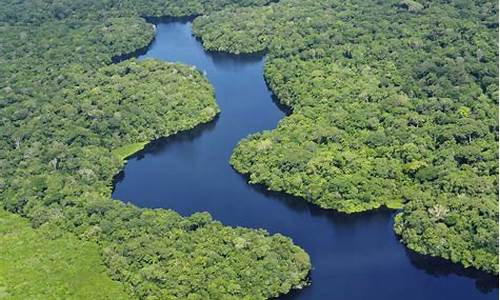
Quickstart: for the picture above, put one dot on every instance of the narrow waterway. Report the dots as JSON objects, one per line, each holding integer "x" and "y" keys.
{"x": 354, "y": 256}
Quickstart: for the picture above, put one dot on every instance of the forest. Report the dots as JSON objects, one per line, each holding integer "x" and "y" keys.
{"x": 395, "y": 103}
{"x": 69, "y": 117}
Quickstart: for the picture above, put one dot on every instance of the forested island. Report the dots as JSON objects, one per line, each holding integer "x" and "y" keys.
{"x": 394, "y": 103}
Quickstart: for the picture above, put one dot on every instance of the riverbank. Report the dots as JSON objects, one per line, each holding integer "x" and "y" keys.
{"x": 353, "y": 255}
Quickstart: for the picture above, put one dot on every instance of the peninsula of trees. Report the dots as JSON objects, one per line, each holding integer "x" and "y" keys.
{"x": 68, "y": 119}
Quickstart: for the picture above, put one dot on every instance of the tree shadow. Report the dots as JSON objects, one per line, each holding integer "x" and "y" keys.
{"x": 161, "y": 145}
{"x": 433, "y": 266}
{"x": 439, "y": 267}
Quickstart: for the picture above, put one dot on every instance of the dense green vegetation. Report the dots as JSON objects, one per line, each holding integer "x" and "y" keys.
{"x": 394, "y": 103}
{"x": 48, "y": 263}
{"x": 68, "y": 118}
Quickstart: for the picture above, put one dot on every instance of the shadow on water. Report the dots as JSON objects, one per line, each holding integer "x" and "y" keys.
{"x": 221, "y": 59}
{"x": 141, "y": 51}
{"x": 439, "y": 267}
{"x": 287, "y": 110}
{"x": 160, "y": 145}
{"x": 300, "y": 205}
{"x": 354, "y": 256}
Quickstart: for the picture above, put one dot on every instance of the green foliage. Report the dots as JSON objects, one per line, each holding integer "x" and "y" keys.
{"x": 196, "y": 258}
{"x": 68, "y": 117}
{"x": 126, "y": 150}
{"x": 394, "y": 103}
{"x": 49, "y": 263}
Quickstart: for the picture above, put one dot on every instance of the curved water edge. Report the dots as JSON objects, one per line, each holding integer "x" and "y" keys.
{"x": 354, "y": 256}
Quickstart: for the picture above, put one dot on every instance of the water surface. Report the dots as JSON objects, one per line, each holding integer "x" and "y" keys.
{"x": 354, "y": 256}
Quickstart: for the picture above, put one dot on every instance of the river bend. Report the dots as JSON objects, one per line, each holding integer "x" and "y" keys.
{"x": 354, "y": 256}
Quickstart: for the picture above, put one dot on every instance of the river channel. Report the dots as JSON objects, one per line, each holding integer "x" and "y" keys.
{"x": 354, "y": 256}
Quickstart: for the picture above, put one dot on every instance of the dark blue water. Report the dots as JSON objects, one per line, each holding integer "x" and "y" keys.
{"x": 354, "y": 256}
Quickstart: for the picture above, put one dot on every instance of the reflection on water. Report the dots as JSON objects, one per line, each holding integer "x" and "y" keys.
{"x": 439, "y": 267}
{"x": 354, "y": 256}
{"x": 161, "y": 145}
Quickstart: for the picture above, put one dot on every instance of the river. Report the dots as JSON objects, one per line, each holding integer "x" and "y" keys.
{"x": 354, "y": 256}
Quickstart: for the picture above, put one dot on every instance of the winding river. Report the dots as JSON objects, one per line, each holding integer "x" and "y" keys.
{"x": 354, "y": 256}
